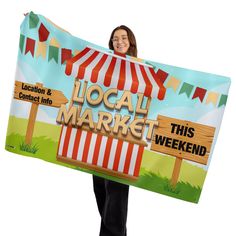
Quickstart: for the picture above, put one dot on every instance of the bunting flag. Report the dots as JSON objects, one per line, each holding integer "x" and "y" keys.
{"x": 41, "y": 50}
{"x": 199, "y": 93}
{"x": 53, "y": 50}
{"x": 54, "y": 42}
{"x": 30, "y": 45}
{"x": 212, "y": 98}
{"x": 173, "y": 83}
{"x": 76, "y": 52}
{"x": 43, "y": 33}
{"x": 22, "y": 42}
{"x": 65, "y": 55}
{"x": 223, "y": 100}
{"x": 33, "y": 20}
{"x": 53, "y": 53}
{"x": 186, "y": 88}
{"x": 162, "y": 75}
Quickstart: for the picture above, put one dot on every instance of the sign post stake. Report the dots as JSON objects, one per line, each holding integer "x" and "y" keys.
{"x": 31, "y": 122}
{"x": 176, "y": 171}
{"x": 32, "y": 119}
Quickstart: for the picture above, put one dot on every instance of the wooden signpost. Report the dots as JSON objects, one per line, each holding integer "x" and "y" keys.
{"x": 37, "y": 95}
{"x": 184, "y": 140}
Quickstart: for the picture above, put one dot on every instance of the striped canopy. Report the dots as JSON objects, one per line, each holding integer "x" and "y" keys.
{"x": 116, "y": 71}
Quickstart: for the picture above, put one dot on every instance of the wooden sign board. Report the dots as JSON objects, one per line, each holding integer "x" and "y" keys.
{"x": 38, "y": 94}
{"x": 183, "y": 139}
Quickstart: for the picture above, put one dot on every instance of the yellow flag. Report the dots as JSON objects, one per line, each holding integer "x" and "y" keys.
{"x": 212, "y": 98}
{"x": 41, "y": 50}
{"x": 137, "y": 59}
{"x": 54, "y": 42}
{"x": 173, "y": 83}
{"x": 76, "y": 52}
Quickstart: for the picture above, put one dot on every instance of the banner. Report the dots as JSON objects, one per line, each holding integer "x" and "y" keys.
{"x": 130, "y": 120}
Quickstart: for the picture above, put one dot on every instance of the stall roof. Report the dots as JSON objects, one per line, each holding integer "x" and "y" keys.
{"x": 116, "y": 71}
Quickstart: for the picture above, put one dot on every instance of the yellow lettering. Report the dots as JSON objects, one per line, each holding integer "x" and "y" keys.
{"x": 67, "y": 115}
{"x": 121, "y": 123}
{"x": 152, "y": 124}
{"x": 91, "y": 89}
{"x": 135, "y": 129}
{"x": 106, "y": 95}
{"x": 125, "y": 101}
{"x": 86, "y": 118}
{"x": 104, "y": 120}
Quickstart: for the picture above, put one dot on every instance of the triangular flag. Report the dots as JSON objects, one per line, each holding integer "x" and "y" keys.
{"x": 161, "y": 75}
{"x": 53, "y": 53}
{"x": 54, "y": 42}
{"x": 22, "y": 42}
{"x": 212, "y": 98}
{"x": 41, "y": 50}
{"x": 30, "y": 44}
{"x": 43, "y": 33}
{"x": 199, "y": 93}
{"x": 33, "y": 20}
{"x": 76, "y": 52}
{"x": 223, "y": 100}
{"x": 65, "y": 55}
{"x": 186, "y": 88}
{"x": 173, "y": 83}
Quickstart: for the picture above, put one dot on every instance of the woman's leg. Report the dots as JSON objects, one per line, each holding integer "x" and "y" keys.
{"x": 100, "y": 192}
{"x": 115, "y": 209}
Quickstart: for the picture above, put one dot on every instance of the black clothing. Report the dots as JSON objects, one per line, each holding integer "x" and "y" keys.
{"x": 112, "y": 201}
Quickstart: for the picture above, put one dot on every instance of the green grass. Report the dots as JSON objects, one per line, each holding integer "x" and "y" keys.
{"x": 33, "y": 148}
{"x": 163, "y": 165}
{"x": 19, "y": 126}
{"x": 155, "y": 173}
{"x": 47, "y": 148}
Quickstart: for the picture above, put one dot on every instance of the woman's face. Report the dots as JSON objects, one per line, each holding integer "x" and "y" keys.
{"x": 121, "y": 41}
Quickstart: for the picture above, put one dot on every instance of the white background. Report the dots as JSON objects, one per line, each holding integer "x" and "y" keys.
{"x": 39, "y": 198}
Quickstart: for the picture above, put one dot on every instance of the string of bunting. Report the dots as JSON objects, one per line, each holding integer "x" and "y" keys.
{"x": 194, "y": 92}
{"x": 41, "y": 47}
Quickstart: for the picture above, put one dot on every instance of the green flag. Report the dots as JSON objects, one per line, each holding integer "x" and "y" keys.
{"x": 223, "y": 100}
{"x": 186, "y": 88}
{"x": 33, "y": 20}
{"x": 22, "y": 42}
{"x": 53, "y": 53}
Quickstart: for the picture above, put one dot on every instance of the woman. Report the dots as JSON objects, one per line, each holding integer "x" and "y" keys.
{"x": 112, "y": 197}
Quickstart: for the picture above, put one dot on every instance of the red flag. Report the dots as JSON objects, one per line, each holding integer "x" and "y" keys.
{"x": 161, "y": 75}
{"x": 66, "y": 54}
{"x": 30, "y": 44}
{"x": 43, "y": 33}
{"x": 199, "y": 93}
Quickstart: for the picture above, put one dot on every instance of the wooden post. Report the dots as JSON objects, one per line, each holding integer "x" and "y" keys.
{"x": 31, "y": 122}
{"x": 176, "y": 171}
{"x": 32, "y": 119}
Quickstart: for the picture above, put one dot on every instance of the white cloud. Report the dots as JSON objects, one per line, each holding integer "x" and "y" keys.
{"x": 212, "y": 118}
{"x": 21, "y": 109}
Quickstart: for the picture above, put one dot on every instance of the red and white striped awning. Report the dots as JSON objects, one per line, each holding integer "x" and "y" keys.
{"x": 116, "y": 71}
{"x": 99, "y": 150}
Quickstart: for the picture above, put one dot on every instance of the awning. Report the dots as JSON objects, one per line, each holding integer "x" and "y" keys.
{"x": 115, "y": 71}
{"x": 77, "y": 145}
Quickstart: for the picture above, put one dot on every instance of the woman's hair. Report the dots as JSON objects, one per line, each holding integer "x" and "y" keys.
{"x": 132, "y": 51}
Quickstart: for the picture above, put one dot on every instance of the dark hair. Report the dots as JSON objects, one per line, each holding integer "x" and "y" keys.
{"x": 132, "y": 51}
